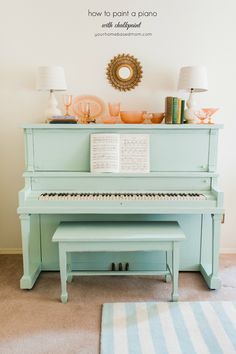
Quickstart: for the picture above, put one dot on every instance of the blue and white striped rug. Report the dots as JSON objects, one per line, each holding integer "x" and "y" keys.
{"x": 173, "y": 328}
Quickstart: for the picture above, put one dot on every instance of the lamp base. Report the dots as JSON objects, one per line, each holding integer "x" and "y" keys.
{"x": 190, "y": 116}
{"x": 52, "y": 109}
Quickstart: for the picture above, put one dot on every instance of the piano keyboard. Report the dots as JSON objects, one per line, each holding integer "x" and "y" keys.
{"x": 122, "y": 196}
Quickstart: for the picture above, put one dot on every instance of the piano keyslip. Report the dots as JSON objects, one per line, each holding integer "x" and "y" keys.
{"x": 121, "y": 196}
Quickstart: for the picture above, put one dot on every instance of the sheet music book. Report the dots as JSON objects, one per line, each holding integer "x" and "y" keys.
{"x": 128, "y": 153}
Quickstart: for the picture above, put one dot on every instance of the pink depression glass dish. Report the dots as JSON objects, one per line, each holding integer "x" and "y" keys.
{"x": 109, "y": 120}
{"x": 209, "y": 113}
{"x": 157, "y": 118}
{"x": 96, "y": 106}
{"x": 132, "y": 117}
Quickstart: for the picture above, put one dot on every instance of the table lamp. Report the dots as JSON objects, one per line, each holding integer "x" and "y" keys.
{"x": 51, "y": 78}
{"x": 192, "y": 79}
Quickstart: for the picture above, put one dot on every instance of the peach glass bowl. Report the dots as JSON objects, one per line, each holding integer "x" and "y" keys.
{"x": 132, "y": 117}
{"x": 109, "y": 120}
{"x": 157, "y": 118}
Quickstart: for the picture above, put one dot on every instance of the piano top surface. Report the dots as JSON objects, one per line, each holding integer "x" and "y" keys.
{"x": 124, "y": 126}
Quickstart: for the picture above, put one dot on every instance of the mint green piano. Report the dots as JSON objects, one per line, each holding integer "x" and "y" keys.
{"x": 181, "y": 186}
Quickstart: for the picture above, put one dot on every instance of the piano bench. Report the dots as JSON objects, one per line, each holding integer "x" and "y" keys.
{"x": 127, "y": 236}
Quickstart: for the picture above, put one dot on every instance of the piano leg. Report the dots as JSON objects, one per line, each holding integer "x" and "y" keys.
{"x": 31, "y": 267}
{"x": 211, "y": 277}
{"x": 216, "y": 222}
{"x": 63, "y": 273}
{"x": 175, "y": 271}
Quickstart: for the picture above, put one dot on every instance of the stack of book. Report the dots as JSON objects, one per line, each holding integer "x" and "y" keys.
{"x": 62, "y": 120}
{"x": 174, "y": 110}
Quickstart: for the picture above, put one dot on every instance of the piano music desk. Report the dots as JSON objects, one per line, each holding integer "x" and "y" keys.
{"x": 119, "y": 237}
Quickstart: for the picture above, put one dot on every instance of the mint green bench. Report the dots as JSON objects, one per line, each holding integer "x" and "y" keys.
{"x": 118, "y": 237}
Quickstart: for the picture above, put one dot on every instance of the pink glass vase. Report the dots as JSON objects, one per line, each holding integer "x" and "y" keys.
{"x": 114, "y": 111}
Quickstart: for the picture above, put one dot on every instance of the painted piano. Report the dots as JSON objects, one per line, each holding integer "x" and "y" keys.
{"x": 181, "y": 186}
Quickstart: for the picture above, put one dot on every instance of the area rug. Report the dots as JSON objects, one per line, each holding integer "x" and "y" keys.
{"x": 162, "y": 327}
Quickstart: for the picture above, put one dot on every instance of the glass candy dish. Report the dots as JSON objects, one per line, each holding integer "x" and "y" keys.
{"x": 201, "y": 116}
{"x": 205, "y": 115}
{"x": 209, "y": 113}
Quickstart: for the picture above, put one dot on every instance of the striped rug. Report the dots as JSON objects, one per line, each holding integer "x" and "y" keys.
{"x": 173, "y": 328}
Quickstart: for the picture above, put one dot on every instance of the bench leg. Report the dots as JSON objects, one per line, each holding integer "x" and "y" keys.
{"x": 63, "y": 274}
{"x": 69, "y": 277}
{"x": 167, "y": 278}
{"x": 175, "y": 271}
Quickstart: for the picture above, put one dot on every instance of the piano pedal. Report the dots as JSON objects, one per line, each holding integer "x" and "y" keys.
{"x": 113, "y": 267}
{"x": 119, "y": 267}
{"x": 223, "y": 218}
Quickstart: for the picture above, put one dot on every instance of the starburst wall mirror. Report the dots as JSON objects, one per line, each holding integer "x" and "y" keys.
{"x": 124, "y": 72}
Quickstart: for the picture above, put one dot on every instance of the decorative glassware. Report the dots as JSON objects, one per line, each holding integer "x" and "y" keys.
{"x": 209, "y": 113}
{"x": 86, "y": 111}
{"x": 133, "y": 117}
{"x": 201, "y": 115}
{"x": 114, "y": 110}
{"x": 67, "y": 99}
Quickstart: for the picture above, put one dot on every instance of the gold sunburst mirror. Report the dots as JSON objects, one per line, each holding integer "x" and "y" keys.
{"x": 124, "y": 72}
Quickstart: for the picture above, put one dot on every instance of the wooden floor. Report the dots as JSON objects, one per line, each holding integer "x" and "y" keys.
{"x": 34, "y": 321}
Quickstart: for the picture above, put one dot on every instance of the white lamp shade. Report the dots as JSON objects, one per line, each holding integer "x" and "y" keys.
{"x": 193, "y": 79}
{"x": 51, "y": 78}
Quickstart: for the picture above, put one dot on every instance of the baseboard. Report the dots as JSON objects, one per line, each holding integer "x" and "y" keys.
{"x": 19, "y": 250}
{"x": 10, "y": 251}
{"x": 227, "y": 250}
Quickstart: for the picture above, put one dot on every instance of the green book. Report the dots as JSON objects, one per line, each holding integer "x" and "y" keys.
{"x": 175, "y": 110}
{"x": 182, "y": 111}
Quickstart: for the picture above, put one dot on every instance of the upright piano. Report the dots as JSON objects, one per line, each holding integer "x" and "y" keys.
{"x": 181, "y": 186}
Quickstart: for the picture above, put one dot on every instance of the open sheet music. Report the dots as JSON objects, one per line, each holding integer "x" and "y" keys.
{"x": 127, "y": 153}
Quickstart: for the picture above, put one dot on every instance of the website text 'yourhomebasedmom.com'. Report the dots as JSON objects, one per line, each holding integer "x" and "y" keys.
{"x": 122, "y": 34}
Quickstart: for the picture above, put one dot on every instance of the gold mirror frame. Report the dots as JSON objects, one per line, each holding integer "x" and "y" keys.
{"x": 114, "y": 75}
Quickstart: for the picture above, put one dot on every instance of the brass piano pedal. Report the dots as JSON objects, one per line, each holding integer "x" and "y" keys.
{"x": 126, "y": 267}
{"x": 113, "y": 267}
{"x": 120, "y": 267}
{"x": 223, "y": 218}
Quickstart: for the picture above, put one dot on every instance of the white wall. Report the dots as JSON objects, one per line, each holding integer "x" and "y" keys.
{"x": 59, "y": 32}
